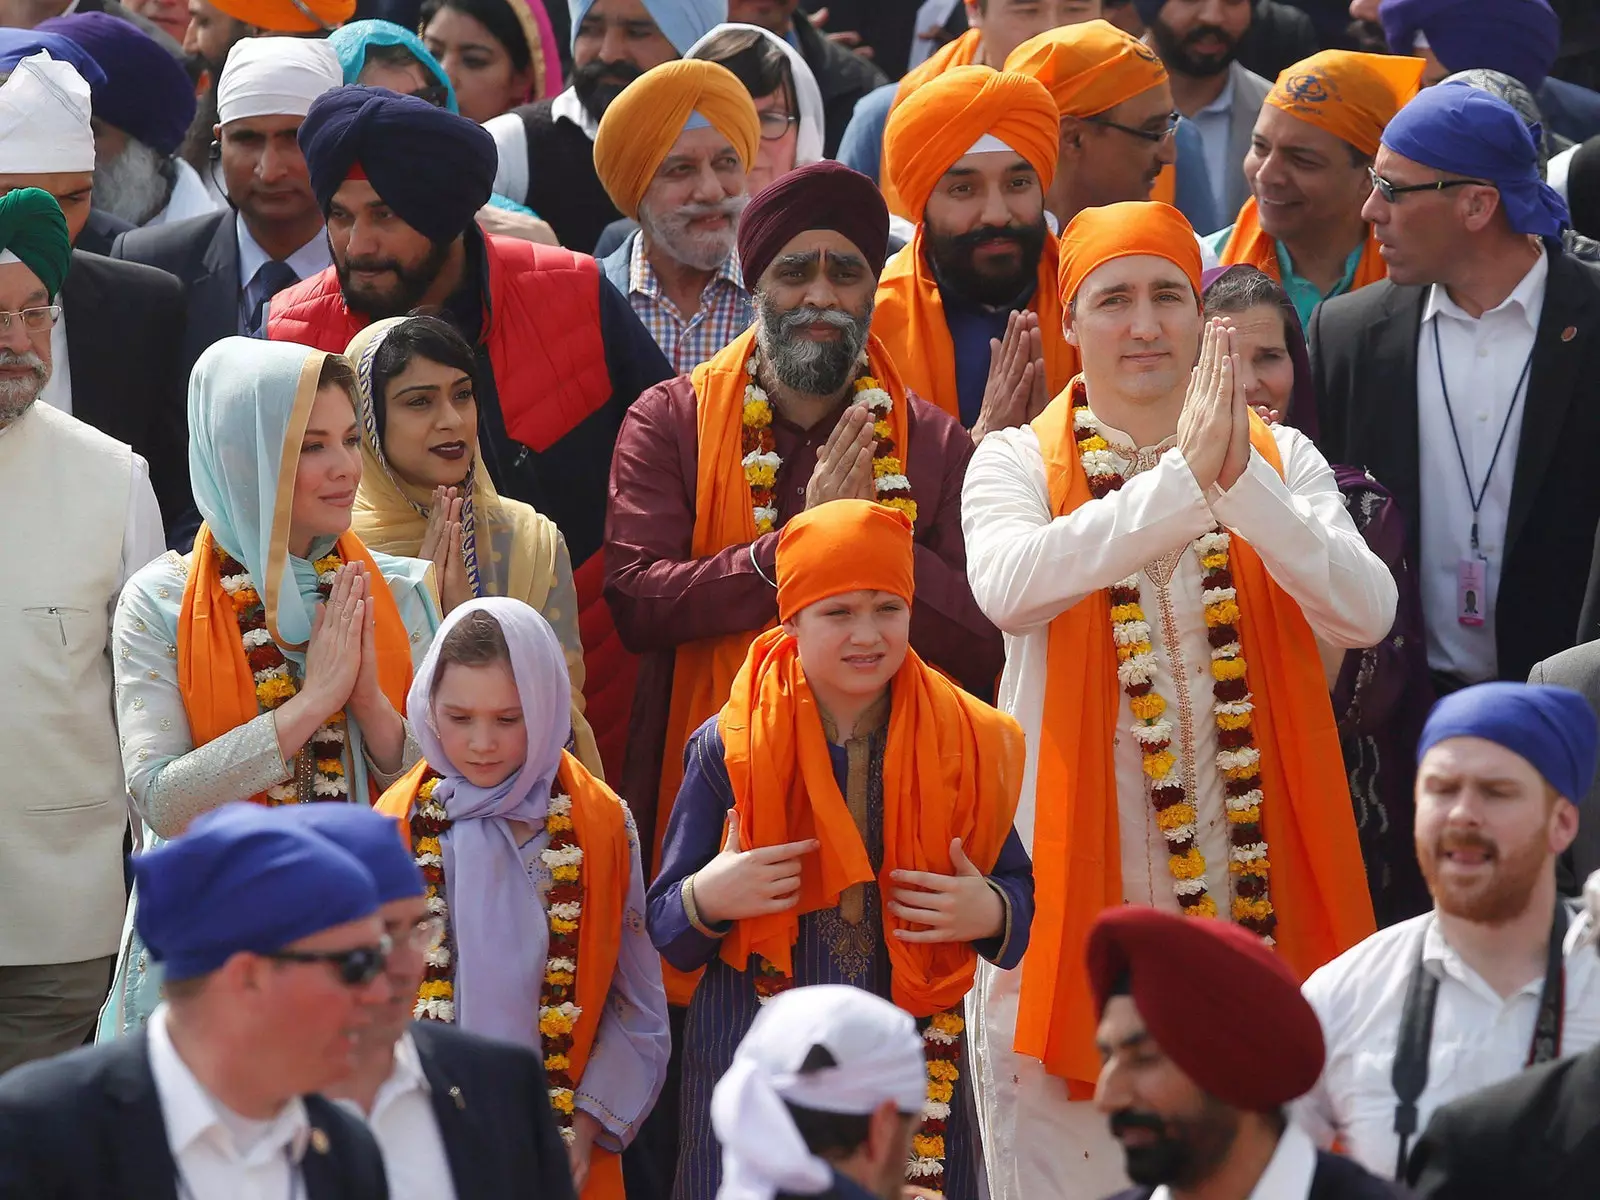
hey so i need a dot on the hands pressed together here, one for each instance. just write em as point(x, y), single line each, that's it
point(1214, 427)
point(1017, 390)
point(844, 464)
point(441, 545)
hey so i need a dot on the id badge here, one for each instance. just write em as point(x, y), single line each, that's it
point(1472, 590)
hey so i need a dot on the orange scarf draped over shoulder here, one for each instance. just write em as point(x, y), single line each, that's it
point(1319, 888)
point(952, 768)
point(962, 52)
point(601, 831)
point(215, 678)
point(1254, 246)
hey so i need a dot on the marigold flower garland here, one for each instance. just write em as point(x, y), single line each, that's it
point(558, 1011)
point(761, 462)
point(1238, 758)
point(275, 677)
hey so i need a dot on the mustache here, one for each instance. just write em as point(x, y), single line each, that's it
point(1126, 1119)
point(1449, 842)
point(799, 318)
point(9, 358)
point(1204, 31)
point(620, 73)
point(732, 207)
point(372, 264)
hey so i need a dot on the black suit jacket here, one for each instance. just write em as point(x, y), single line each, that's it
point(88, 1126)
point(492, 1104)
point(1337, 1178)
point(1535, 1136)
point(1364, 360)
point(203, 252)
point(124, 340)
point(100, 231)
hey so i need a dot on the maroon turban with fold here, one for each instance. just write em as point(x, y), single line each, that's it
point(823, 195)
point(1215, 998)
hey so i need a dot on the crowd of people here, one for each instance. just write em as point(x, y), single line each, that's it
point(751, 598)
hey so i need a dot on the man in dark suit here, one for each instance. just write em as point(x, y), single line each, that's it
point(1460, 384)
point(273, 953)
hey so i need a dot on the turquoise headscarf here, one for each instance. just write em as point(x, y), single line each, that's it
point(351, 42)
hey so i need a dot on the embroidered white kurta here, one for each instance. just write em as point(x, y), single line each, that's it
point(1027, 567)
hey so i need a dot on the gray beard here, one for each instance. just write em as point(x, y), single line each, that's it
point(17, 395)
point(699, 252)
point(135, 185)
point(810, 368)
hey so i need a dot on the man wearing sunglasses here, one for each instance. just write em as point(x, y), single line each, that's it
point(273, 951)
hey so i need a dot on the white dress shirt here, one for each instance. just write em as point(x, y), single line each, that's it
point(190, 198)
point(1478, 1037)
point(1289, 1172)
point(1483, 359)
point(403, 1123)
point(218, 1154)
point(57, 391)
point(311, 259)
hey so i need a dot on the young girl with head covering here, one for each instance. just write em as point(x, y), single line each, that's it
point(563, 966)
point(425, 490)
point(499, 53)
point(272, 661)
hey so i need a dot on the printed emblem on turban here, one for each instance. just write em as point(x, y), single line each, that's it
point(1310, 88)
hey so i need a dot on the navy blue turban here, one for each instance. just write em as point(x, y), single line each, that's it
point(373, 839)
point(1517, 37)
point(1463, 130)
point(145, 93)
point(18, 44)
point(1149, 10)
point(244, 878)
point(434, 168)
point(1552, 727)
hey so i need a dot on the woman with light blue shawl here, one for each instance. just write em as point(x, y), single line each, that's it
point(273, 660)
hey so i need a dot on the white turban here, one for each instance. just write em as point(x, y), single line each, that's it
point(44, 119)
point(275, 77)
point(879, 1057)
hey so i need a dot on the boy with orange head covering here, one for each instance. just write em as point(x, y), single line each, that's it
point(846, 818)
point(1165, 565)
point(1307, 168)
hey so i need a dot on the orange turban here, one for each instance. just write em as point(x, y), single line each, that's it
point(645, 121)
point(1096, 236)
point(1089, 68)
point(1353, 96)
point(943, 120)
point(290, 16)
point(843, 546)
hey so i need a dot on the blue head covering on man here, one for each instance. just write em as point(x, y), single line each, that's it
point(1517, 37)
point(373, 839)
point(682, 22)
point(145, 93)
point(18, 44)
point(1552, 727)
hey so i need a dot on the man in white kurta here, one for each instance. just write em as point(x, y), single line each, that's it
point(1130, 279)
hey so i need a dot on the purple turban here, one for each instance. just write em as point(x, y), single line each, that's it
point(1519, 38)
point(145, 93)
point(824, 195)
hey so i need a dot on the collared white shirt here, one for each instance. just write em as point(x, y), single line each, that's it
point(1289, 1172)
point(1483, 359)
point(311, 259)
point(218, 1154)
point(1215, 125)
point(190, 198)
point(402, 1121)
point(511, 140)
point(1478, 1037)
point(57, 391)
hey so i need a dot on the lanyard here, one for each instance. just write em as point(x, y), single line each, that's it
point(1476, 498)
point(1410, 1073)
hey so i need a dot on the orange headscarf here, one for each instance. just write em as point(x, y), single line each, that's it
point(1097, 236)
point(925, 136)
point(952, 766)
point(1352, 96)
point(960, 53)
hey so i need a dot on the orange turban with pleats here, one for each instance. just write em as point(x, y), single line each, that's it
point(1096, 236)
point(843, 546)
point(290, 16)
point(1089, 68)
point(645, 121)
point(945, 119)
point(1353, 96)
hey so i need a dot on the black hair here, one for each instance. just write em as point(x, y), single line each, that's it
point(494, 15)
point(1245, 287)
point(755, 62)
point(828, 1135)
point(391, 56)
point(419, 335)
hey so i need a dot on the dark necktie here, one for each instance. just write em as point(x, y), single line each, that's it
point(272, 277)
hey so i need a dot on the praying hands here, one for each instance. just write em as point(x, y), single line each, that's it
point(1214, 427)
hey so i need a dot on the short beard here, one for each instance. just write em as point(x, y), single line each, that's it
point(135, 185)
point(1186, 1151)
point(1505, 896)
point(698, 251)
point(17, 395)
point(599, 83)
point(1176, 54)
point(412, 282)
point(952, 256)
point(801, 365)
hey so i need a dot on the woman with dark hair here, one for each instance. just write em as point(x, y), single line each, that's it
point(498, 53)
point(1381, 695)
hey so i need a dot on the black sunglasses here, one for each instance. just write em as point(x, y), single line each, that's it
point(355, 968)
point(1390, 190)
point(1147, 135)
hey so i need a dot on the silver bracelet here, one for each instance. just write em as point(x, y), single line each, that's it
point(759, 571)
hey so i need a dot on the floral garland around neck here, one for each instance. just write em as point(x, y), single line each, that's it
point(761, 462)
point(275, 681)
point(558, 1010)
point(1238, 758)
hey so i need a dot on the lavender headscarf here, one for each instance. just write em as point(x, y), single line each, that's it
point(493, 903)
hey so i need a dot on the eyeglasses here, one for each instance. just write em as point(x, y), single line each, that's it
point(1390, 190)
point(775, 124)
point(426, 935)
point(435, 94)
point(1168, 128)
point(355, 968)
point(34, 320)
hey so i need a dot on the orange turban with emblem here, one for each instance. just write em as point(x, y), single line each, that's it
point(1353, 96)
point(1134, 228)
point(646, 120)
point(1089, 68)
point(955, 115)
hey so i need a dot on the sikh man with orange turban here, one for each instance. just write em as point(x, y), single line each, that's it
point(1165, 565)
point(288, 16)
point(673, 151)
point(1307, 168)
point(847, 819)
point(968, 309)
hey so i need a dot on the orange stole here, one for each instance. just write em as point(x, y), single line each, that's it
point(952, 768)
point(601, 832)
point(962, 52)
point(908, 317)
point(1249, 243)
point(214, 676)
point(1318, 882)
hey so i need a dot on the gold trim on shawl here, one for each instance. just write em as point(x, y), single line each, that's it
point(305, 397)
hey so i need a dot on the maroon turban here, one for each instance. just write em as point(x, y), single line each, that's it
point(1215, 998)
point(823, 195)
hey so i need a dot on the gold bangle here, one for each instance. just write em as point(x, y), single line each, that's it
point(693, 913)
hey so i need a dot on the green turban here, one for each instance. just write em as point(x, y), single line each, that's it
point(33, 229)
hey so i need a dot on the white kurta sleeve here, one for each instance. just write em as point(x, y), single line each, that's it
point(1309, 544)
point(143, 538)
